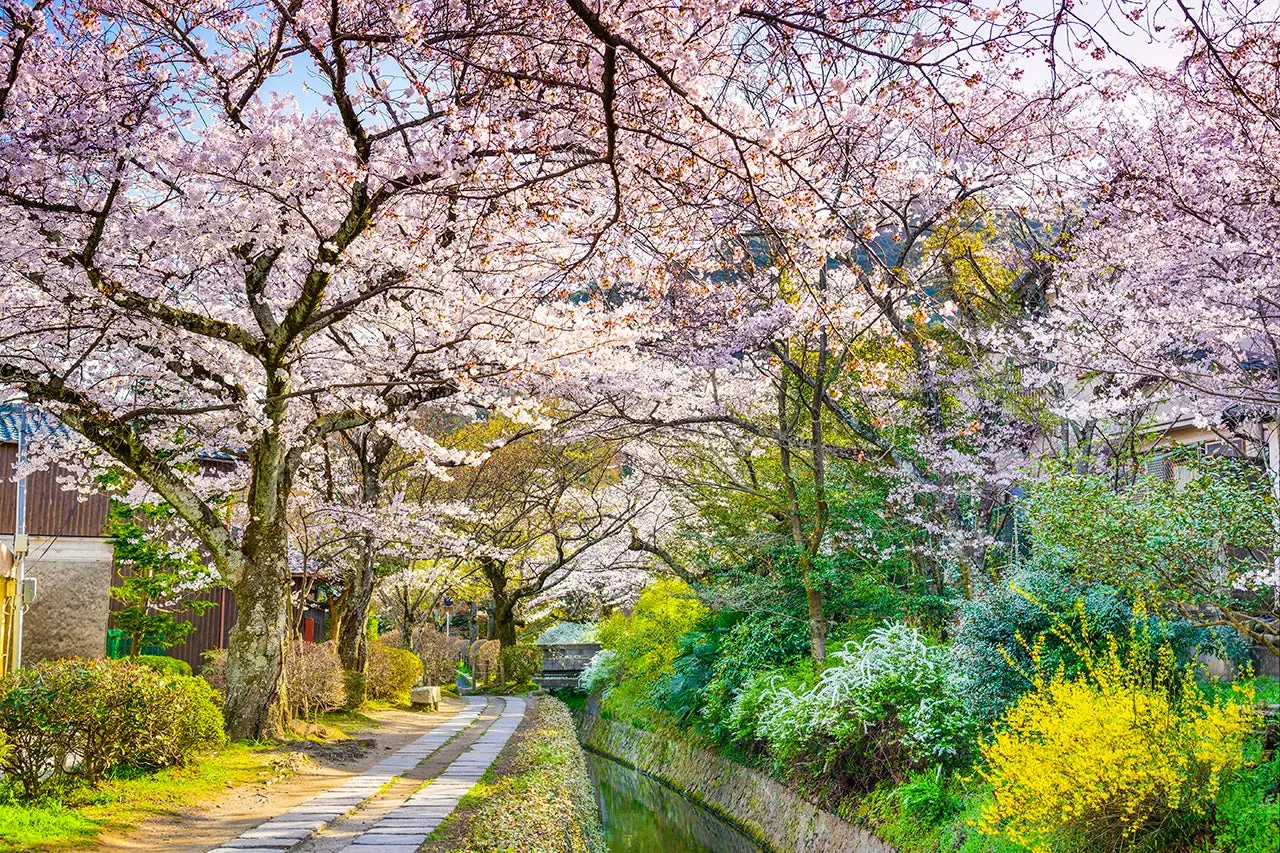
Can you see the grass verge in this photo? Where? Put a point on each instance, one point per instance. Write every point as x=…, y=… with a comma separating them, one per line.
x=76, y=819
x=535, y=799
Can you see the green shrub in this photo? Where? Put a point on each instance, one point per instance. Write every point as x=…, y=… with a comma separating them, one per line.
x=717, y=657
x=314, y=678
x=1004, y=625
x=164, y=664
x=521, y=663
x=1247, y=814
x=186, y=719
x=915, y=815
x=392, y=672
x=882, y=707
x=643, y=646
x=753, y=697
x=104, y=713
x=37, y=725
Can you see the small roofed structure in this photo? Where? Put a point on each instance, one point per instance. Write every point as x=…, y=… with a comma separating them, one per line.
x=567, y=648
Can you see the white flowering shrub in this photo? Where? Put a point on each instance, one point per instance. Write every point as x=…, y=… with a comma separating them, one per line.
x=888, y=699
x=601, y=672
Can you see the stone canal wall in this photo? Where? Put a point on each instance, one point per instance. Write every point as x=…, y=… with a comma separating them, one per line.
x=768, y=811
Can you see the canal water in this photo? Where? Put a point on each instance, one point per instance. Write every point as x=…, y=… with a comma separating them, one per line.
x=641, y=815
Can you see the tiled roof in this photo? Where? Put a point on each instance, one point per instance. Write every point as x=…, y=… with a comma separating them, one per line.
x=38, y=423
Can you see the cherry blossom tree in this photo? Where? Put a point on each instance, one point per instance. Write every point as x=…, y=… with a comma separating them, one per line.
x=541, y=512
x=234, y=229
x=1168, y=305
x=1169, y=291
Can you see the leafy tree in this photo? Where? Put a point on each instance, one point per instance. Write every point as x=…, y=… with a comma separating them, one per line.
x=158, y=581
x=541, y=510
x=644, y=645
x=1203, y=547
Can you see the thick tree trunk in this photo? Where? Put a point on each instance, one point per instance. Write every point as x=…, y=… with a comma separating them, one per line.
x=502, y=612
x=353, y=643
x=504, y=617
x=257, y=703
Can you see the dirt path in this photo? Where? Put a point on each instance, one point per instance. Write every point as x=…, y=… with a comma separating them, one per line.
x=203, y=826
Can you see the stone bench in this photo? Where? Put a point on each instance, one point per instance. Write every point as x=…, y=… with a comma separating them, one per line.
x=428, y=697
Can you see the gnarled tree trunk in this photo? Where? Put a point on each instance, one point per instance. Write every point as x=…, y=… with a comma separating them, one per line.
x=257, y=702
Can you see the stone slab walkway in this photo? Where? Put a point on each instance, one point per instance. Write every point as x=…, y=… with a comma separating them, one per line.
x=299, y=823
x=406, y=828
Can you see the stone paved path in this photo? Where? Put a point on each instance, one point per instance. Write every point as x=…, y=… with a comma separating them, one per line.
x=299, y=823
x=407, y=827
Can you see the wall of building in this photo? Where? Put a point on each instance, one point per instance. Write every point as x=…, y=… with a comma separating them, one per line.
x=69, y=616
x=765, y=809
x=52, y=509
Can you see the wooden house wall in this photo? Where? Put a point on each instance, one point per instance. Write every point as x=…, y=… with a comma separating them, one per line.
x=213, y=627
x=52, y=509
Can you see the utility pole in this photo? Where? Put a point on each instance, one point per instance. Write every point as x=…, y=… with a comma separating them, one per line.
x=20, y=541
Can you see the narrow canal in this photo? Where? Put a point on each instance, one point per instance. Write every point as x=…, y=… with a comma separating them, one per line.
x=641, y=815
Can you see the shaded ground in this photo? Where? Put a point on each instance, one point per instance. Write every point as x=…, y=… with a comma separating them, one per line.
x=315, y=768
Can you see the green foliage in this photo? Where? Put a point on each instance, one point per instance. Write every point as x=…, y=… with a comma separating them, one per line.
x=931, y=813
x=392, y=672
x=753, y=698
x=911, y=815
x=1197, y=542
x=882, y=707
x=157, y=584
x=644, y=645
x=1003, y=626
x=167, y=665
x=185, y=718
x=105, y=713
x=717, y=657
x=1247, y=818
x=521, y=663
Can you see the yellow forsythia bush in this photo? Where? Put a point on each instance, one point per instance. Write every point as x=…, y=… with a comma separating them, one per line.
x=1099, y=761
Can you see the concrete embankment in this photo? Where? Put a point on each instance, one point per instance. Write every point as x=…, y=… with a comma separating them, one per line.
x=768, y=811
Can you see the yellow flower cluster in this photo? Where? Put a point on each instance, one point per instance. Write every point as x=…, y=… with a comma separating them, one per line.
x=1095, y=761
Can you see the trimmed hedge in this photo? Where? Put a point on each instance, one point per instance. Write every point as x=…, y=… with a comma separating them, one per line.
x=392, y=672
x=166, y=665
x=102, y=713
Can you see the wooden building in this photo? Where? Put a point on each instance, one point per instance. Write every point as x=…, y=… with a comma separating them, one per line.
x=567, y=648
x=69, y=559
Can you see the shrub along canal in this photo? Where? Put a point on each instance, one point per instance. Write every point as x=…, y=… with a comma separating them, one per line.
x=641, y=815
